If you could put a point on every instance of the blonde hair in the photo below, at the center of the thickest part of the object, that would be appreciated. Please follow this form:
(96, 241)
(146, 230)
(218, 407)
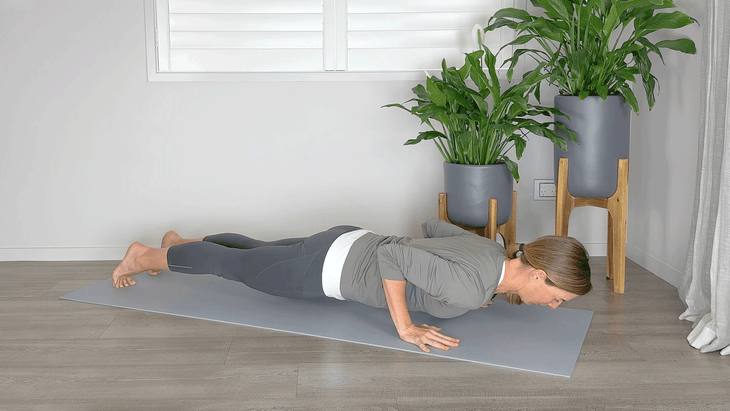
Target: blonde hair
(564, 260)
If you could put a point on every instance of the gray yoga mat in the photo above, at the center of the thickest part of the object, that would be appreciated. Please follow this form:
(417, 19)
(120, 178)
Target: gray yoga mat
(528, 338)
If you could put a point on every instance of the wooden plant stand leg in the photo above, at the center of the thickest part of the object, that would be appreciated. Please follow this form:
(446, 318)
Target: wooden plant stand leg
(617, 210)
(616, 206)
(564, 202)
(508, 230)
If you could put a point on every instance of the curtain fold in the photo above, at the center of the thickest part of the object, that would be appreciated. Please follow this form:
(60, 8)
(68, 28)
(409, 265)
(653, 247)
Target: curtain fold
(705, 287)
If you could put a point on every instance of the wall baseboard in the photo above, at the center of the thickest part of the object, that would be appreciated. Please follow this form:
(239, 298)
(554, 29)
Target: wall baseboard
(596, 249)
(656, 266)
(61, 253)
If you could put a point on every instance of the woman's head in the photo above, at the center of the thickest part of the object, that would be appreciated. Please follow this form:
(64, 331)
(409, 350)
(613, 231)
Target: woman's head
(562, 262)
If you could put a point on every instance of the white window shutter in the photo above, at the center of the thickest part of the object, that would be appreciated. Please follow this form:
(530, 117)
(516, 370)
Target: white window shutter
(318, 36)
(390, 35)
(243, 36)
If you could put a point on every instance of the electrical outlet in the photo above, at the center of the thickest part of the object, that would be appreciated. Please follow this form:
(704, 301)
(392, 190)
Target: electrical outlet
(544, 190)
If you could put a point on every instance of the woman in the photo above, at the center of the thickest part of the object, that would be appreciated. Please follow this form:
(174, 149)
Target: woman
(446, 274)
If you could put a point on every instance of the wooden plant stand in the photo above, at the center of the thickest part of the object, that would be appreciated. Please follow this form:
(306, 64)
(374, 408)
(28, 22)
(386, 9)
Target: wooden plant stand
(508, 230)
(616, 206)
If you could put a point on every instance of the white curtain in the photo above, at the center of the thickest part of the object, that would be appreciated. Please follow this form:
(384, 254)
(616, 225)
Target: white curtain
(705, 288)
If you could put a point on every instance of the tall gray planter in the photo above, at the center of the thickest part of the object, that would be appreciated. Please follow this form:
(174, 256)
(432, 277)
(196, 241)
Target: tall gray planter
(469, 188)
(602, 129)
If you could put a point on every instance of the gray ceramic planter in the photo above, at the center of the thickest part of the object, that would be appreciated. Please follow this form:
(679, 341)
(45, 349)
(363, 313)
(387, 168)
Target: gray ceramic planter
(469, 188)
(603, 130)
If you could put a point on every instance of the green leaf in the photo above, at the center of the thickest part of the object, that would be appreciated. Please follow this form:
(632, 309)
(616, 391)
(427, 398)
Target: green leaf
(649, 45)
(602, 92)
(563, 129)
(643, 62)
(452, 76)
(630, 98)
(628, 74)
(515, 59)
(477, 73)
(550, 135)
(499, 23)
(434, 92)
(555, 9)
(583, 94)
(518, 106)
(595, 24)
(507, 129)
(425, 135)
(542, 28)
(456, 97)
(611, 22)
(684, 45)
(529, 79)
(396, 105)
(490, 60)
(650, 83)
(512, 13)
(520, 144)
(521, 40)
(481, 104)
(428, 111)
(660, 21)
(512, 167)
(545, 111)
(420, 91)
(624, 5)
(464, 70)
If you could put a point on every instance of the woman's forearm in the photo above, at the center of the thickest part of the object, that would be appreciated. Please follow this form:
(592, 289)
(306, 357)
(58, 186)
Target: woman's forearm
(395, 295)
(420, 335)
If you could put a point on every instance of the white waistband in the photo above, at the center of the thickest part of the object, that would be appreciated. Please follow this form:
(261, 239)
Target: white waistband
(334, 261)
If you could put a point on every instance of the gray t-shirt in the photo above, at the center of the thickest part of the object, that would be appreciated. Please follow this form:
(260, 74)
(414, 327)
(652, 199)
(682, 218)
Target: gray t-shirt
(448, 273)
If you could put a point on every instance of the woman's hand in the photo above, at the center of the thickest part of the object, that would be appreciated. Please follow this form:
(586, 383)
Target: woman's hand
(423, 335)
(420, 335)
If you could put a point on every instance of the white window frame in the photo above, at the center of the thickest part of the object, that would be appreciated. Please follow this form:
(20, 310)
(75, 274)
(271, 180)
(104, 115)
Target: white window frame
(154, 75)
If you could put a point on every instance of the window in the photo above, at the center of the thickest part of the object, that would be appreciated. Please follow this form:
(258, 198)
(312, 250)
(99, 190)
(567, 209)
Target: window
(312, 39)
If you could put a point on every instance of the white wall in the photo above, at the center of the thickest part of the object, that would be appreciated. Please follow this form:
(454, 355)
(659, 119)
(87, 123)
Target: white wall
(93, 156)
(664, 147)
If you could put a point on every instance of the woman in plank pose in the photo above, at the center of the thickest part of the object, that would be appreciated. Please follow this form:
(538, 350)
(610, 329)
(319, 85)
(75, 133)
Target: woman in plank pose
(445, 274)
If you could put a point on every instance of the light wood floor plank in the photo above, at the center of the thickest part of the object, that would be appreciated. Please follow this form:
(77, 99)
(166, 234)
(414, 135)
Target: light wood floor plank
(695, 397)
(437, 380)
(115, 352)
(152, 404)
(118, 384)
(28, 288)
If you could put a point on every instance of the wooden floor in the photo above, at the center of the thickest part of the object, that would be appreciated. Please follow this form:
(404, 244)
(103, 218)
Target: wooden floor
(62, 355)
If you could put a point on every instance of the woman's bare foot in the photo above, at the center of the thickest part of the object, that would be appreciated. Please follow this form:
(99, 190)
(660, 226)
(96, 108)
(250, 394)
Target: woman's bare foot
(122, 275)
(168, 240)
(171, 238)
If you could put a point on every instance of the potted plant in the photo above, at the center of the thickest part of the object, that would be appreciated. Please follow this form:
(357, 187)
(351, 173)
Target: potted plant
(475, 135)
(593, 51)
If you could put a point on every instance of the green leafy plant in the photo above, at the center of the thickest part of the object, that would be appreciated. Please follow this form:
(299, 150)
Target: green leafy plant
(472, 130)
(583, 49)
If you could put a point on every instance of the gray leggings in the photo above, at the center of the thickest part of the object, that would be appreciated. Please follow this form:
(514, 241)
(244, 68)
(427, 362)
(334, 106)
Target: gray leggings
(288, 268)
